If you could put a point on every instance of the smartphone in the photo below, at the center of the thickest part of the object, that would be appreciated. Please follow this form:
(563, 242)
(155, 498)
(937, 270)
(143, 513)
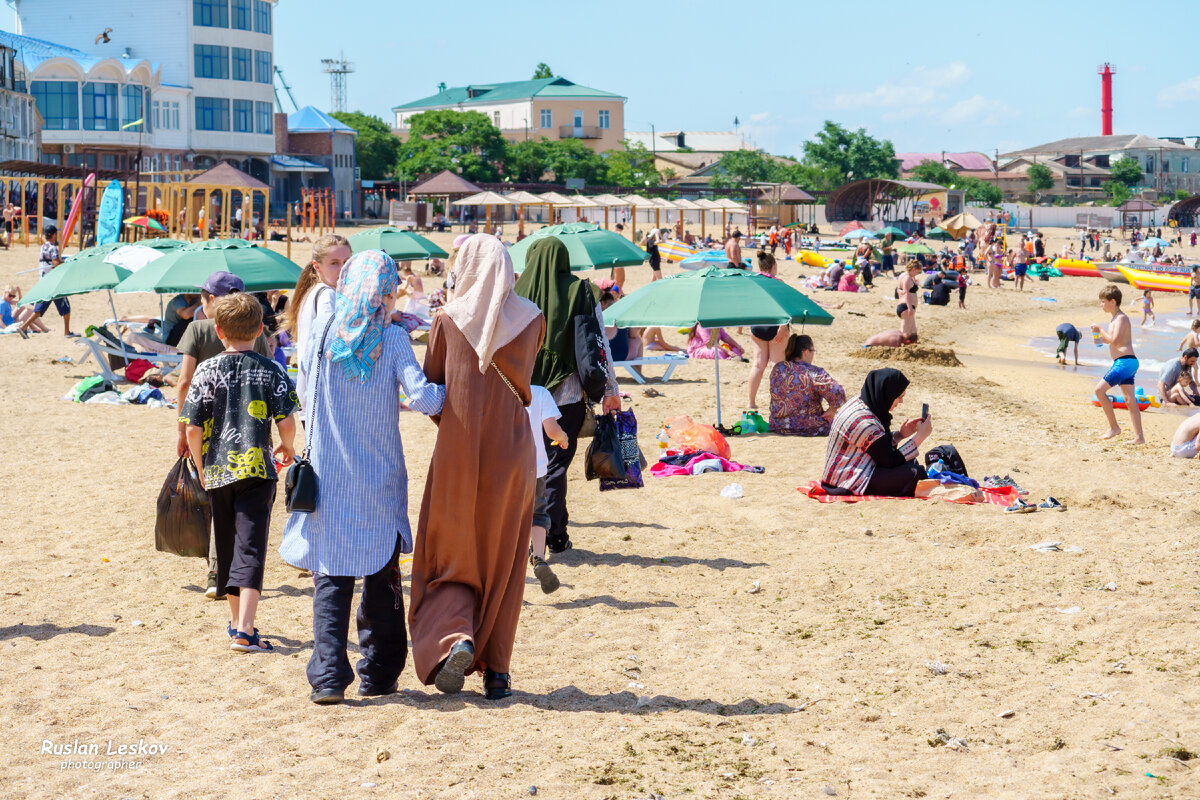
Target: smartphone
(924, 410)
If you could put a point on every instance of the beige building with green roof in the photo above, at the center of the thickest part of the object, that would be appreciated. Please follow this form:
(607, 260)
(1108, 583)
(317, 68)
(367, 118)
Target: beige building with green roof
(553, 108)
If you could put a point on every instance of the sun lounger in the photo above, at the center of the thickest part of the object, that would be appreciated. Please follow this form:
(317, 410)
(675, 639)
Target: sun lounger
(669, 360)
(111, 354)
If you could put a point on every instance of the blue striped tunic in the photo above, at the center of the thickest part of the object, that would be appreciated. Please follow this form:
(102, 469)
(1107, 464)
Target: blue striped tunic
(355, 448)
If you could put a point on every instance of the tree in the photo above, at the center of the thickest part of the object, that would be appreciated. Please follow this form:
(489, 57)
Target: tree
(464, 141)
(974, 189)
(1041, 179)
(525, 161)
(1126, 171)
(571, 158)
(1117, 192)
(1182, 194)
(375, 148)
(840, 155)
(632, 166)
(740, 167)
(542, 70)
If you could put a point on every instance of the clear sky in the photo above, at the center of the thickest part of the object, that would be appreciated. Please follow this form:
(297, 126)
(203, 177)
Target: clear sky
(984, 76)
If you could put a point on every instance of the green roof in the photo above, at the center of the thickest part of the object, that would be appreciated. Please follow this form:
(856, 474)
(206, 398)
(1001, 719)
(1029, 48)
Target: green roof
(502, 92)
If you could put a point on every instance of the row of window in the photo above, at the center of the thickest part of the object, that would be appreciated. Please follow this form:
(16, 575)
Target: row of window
(164, 116)
(342, 160)
(239, 116)
(106, 106)
(547, 119)
(213, 61)
(242, 15)
(1166, 165)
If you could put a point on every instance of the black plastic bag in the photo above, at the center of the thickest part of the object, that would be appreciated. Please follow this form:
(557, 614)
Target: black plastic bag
(605, 458)
(631, 455)
(184, 513)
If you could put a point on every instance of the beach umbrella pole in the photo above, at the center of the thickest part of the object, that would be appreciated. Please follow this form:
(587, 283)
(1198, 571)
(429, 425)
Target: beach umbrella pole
(717, 368)
(120, 333)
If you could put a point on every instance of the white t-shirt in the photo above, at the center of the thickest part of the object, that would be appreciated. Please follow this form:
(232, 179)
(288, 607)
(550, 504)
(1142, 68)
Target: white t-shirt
(308, 312)
(541, 408)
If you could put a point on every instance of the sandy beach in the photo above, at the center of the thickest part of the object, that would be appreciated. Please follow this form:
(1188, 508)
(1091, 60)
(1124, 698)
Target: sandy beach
(765, 647)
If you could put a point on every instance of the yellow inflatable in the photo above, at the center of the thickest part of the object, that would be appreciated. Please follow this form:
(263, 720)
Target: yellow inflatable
(809, 258)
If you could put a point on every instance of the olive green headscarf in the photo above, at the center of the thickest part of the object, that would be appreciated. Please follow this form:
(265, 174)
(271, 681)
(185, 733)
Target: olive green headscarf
(548, 282)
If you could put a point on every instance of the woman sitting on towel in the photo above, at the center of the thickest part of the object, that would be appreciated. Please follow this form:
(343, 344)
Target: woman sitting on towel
(804, 397)
(864, 456)
(706, 343)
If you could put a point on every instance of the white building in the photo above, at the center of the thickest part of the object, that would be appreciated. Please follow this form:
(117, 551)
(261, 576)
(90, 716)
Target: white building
(18, 118)
(197, 72)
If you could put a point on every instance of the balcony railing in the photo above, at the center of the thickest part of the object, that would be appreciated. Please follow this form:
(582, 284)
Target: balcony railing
(579, 132)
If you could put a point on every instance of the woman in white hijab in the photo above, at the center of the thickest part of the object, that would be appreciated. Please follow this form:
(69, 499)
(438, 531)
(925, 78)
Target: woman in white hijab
(472, 540)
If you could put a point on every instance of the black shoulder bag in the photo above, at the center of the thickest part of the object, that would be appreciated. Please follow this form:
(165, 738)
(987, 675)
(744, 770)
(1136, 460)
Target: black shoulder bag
(300, 486)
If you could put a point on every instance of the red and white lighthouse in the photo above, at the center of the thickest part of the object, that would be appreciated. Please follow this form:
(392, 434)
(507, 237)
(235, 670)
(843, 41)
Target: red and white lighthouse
(1106, 72)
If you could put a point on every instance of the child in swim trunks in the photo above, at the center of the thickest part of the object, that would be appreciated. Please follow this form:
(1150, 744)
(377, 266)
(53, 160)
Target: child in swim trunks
(1118, 335)
(1147, 308)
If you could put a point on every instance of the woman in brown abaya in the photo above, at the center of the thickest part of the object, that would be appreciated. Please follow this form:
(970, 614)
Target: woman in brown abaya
(472, 542)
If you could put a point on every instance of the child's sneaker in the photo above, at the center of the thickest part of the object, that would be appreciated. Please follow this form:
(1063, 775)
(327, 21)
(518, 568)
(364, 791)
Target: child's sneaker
(1051, 504)
(211, 591)
(545, 575)
(1020, 507)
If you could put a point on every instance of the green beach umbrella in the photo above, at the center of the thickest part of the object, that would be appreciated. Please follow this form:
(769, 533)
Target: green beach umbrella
(915, 249)
(400, 244)
(715, 297)
(938, 233)
(84, 272)
(893, 230)
(589, 246)
(184, 269)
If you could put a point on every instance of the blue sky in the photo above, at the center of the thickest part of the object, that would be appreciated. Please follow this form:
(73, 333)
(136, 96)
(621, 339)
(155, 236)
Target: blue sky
(995, 76)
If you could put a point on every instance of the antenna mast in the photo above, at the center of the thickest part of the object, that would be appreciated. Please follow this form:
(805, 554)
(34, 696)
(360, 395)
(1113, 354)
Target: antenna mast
(338, 68)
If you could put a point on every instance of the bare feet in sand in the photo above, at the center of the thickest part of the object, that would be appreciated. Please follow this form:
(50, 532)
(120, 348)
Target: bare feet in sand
(1138, 441)
(1112, 434)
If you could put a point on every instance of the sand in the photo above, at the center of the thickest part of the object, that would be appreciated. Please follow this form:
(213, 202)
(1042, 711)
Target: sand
(767, 647)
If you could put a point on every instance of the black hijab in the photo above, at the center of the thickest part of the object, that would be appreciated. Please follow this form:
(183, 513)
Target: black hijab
(880, 390)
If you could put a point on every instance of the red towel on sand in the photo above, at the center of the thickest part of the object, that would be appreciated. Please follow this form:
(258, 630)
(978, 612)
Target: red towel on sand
(1005, 496)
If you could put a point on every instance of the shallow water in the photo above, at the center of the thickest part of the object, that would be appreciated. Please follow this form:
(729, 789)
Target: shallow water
(1155, 345)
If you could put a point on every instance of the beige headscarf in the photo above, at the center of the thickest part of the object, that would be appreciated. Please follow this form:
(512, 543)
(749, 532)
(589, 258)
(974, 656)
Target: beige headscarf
(485, 308)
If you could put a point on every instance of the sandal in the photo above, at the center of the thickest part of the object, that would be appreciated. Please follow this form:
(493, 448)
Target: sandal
(253, 643)
(232, 631)
(497, 685)
(1020, 507)
(1051, 504)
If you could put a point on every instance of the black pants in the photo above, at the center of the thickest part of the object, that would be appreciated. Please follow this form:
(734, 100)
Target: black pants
(866, 276)
(898, 481)
(558, 461)
(382, 636)
(241, 522)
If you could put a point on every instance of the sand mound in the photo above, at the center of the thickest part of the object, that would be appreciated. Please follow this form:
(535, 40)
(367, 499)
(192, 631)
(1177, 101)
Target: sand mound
(913, 354)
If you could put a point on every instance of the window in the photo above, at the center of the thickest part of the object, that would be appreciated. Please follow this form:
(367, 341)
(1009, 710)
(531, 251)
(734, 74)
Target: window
(547, 118)
(1166, 164)
(155, 119)
(212, 114)
(58, 103)
(604, 120)
(262, 66)
(1183, 164)
(243, 69)
(262, 16)
(577, 119)
(212, 61)
(243, 116)
(265, 119)
(496, 118)
(133, 107)
(174, 116)
(177, 162)
(1150, 164)
(100, 106)
(210, 13)
(241, 15)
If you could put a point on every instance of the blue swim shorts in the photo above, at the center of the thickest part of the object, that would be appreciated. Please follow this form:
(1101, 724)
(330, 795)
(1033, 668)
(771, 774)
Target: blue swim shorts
(1122, 371)
(1020, 269)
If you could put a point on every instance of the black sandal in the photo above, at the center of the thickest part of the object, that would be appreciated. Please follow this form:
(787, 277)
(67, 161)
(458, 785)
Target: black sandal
(497, 685)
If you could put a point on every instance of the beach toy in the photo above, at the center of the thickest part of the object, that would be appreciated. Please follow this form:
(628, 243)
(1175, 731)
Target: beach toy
(1096, 338)
(64, 237)
(1143, 400)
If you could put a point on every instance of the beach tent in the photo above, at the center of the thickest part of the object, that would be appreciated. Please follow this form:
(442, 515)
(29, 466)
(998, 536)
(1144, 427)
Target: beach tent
(715, 297)
(960, 225)
(444, 185)
(608, 201)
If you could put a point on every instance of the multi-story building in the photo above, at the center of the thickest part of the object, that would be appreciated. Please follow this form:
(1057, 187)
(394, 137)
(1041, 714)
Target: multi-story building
(1082, 163)
(19, 139)
(315, 152)
(551, 108)
(198, 73)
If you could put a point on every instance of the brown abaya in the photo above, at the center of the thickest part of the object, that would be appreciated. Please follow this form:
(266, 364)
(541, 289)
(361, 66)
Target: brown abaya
(472, 541)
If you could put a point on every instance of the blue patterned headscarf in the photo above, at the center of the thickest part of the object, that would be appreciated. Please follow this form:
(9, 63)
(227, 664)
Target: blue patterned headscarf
(359, 317)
